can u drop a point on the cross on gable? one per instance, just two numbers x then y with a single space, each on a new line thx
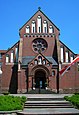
39 8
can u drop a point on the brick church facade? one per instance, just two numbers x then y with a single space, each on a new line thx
36 59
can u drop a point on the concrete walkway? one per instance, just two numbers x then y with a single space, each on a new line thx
50 111
43 95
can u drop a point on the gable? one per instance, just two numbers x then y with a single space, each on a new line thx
39 23
38 60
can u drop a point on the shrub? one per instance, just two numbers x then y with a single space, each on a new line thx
23 99
66 97
8 103
74 99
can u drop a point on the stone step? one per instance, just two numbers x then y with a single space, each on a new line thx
50 106
37 104
47 102
49 111
45 99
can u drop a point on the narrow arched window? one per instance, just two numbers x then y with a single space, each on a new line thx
33 27
39 60
53 73
0 56
67 56
51 29
27 29
19 66
60 65
36 62
71 58
12 57
45 26
39 24
62 53
44 62
16 53
0 68
7 58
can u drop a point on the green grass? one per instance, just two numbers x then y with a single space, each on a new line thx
74 99
10 103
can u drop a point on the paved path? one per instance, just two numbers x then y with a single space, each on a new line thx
50 111
42 95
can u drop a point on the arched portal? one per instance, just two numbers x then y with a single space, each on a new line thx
40 79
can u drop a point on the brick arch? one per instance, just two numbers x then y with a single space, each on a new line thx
40 68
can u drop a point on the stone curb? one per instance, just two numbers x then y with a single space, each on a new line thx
6 112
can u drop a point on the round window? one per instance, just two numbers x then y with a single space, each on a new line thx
39 45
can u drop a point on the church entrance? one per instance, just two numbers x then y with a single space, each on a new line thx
40 79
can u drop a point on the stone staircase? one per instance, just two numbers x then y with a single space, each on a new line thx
48 105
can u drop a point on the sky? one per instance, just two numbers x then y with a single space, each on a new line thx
63 13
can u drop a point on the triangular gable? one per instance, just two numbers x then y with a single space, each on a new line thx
30 59
48 59
35 15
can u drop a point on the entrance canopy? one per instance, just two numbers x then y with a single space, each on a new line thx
40 58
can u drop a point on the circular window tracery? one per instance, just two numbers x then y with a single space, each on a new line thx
39 44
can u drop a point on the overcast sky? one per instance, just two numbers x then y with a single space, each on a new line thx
63 13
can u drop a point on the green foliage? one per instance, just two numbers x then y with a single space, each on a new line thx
9 103
74 99
23 99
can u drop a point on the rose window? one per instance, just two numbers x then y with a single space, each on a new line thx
39 44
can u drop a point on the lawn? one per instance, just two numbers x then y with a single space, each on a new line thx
74 99
10 103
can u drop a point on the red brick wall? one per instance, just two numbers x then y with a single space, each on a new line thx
70 80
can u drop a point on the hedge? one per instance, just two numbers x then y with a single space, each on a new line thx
74 99
9 103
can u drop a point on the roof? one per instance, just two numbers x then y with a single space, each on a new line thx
66 47
27 59
51 59
3 51
34 15
12 46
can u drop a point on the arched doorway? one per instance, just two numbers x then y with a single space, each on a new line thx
40 79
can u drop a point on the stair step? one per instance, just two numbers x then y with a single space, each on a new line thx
25 113
49 111
47 102
45 99
48 107
37 104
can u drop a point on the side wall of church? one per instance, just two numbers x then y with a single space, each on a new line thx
9 79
